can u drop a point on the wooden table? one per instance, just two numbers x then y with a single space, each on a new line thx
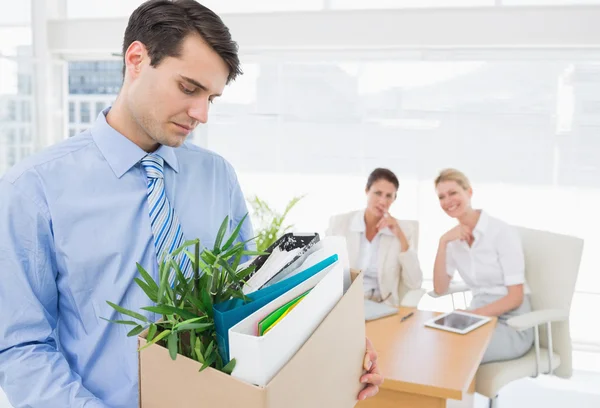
425 367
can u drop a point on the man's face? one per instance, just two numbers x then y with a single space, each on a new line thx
168 101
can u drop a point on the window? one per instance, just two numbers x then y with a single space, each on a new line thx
84 112
72 114
99 108
526 133
25 133
11 110
26 111
11 136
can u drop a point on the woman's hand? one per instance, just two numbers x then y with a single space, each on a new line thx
460 232
387 221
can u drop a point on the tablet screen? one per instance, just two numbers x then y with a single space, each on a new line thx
457 321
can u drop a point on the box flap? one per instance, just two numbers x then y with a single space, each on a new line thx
325 372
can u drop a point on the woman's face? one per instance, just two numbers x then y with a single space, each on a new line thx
454 199
380 197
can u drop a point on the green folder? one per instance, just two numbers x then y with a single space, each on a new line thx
271 318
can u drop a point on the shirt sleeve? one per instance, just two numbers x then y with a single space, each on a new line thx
33 373
330 227
450 263
238 211
511 257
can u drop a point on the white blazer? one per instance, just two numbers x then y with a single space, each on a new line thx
398 272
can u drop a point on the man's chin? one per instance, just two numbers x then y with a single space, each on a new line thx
174 141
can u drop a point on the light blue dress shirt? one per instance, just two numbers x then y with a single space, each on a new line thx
73 223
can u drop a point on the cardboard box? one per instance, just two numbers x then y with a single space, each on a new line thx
325 372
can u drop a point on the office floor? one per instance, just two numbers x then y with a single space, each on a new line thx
581 391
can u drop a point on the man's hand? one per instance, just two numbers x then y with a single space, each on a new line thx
373 377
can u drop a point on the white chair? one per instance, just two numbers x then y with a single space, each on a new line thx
411 297
551 268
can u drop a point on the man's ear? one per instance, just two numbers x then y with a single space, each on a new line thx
135 56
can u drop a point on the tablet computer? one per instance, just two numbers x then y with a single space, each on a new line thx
457 321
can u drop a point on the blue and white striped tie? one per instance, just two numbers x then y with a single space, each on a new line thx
168 235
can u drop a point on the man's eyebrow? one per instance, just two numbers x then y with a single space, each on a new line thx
196 83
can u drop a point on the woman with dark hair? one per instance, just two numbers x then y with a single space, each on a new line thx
380 245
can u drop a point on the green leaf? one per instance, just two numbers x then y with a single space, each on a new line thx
158 338
170 310
227 268
207 303
152 295
236 261
233 251
193 340
221 234
198 304
135 331
151 332
198 351
194 320
235 233
208 257
180 280
127 312
195 326
186 295
164 278
208 362
147 277
228 369
128 322
184 246
254 253
244 273
172 345
210 348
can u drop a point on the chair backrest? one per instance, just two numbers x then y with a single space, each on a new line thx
551 267
414 225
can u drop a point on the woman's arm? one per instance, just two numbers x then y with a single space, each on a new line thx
441 277
511 301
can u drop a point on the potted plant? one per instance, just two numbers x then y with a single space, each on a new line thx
269 222
187 325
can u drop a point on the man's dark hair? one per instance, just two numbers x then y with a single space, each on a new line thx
385 174
161 25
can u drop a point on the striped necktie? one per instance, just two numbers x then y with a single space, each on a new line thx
168 235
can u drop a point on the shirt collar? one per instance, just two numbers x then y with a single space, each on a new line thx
357 224
121 153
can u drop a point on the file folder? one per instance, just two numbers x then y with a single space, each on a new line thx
259 358
229 313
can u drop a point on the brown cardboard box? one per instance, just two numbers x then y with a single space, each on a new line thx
324 373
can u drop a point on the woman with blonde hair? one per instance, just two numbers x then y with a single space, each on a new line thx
488 255
383 247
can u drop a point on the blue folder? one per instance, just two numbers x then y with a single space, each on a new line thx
227 314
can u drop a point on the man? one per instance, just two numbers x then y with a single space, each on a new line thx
77 217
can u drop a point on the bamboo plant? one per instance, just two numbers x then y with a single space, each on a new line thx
187 325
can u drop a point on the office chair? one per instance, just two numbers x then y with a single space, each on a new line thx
551 267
